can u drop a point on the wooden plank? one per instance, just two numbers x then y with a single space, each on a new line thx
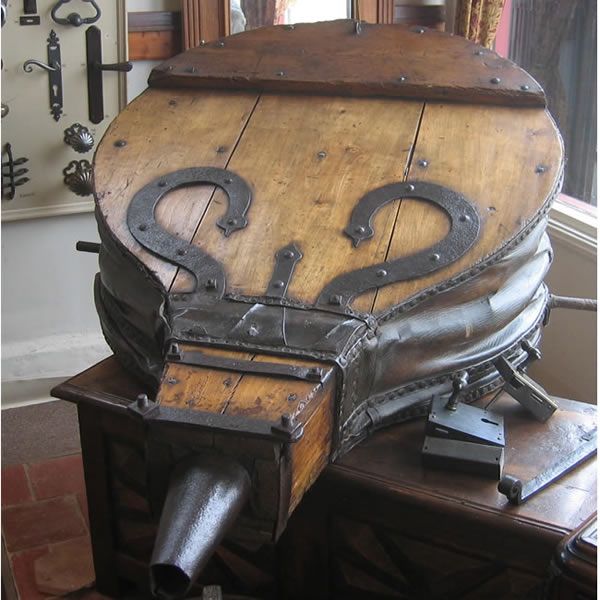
166 131
153 20
490 155
332 58
204 20
153 45
307 197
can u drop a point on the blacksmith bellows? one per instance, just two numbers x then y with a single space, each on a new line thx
306 234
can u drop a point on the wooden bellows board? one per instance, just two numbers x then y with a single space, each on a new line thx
308 230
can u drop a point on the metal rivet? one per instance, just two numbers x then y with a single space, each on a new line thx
478 52
292 397
142 401
322 154
540 169
162 183
495 80
228 180
418 29
170 68
286 420
410 187
231 221
172 380
464 218
357 27
220 44
221 149
289 27
190 70
181 252
359 229
402 78
335 300
253 330
524 87
278 284
381 273
203 42
280 73
289 254
434 257
172 102
211 284
120 143
143 227
423 163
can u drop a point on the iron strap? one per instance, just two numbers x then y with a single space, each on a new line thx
200 359
464 230
207 271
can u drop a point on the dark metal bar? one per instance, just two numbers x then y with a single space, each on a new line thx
92 247
518 491
590 304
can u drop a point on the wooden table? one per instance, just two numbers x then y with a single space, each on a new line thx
376 524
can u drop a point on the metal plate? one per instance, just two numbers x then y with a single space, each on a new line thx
285 261
464 230
55 77
143 226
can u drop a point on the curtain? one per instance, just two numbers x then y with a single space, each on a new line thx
477 20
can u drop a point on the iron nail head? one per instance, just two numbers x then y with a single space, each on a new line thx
120 143
495 80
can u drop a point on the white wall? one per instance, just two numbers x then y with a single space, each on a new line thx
50 329
569 348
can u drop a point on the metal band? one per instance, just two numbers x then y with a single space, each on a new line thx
285 261
464 230
144 228
199 359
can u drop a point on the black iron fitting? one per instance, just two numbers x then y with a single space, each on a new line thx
200 359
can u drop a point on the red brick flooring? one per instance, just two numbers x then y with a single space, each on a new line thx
46 531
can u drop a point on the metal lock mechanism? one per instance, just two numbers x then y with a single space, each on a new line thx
79 178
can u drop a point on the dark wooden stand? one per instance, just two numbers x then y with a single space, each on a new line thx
375 525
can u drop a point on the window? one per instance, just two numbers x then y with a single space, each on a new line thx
250 14
555 41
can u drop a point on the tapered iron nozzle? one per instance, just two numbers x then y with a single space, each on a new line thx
206 494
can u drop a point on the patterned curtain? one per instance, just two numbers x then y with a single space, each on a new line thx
477 20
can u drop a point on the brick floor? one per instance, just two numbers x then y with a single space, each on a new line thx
39 523
58 477
15 486
46 531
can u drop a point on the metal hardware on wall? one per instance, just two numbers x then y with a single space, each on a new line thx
3 10
75 19
95 67
30 7
78 177
11 177
54 70
79 138
46 195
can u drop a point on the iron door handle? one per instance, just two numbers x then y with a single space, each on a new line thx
74 18
123 67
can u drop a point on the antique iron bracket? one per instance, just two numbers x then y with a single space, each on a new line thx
464 230
93 44
79 178
200 359
285 261
79 138
144 228
54 70
518 491
526 391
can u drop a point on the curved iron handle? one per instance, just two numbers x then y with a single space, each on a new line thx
464 230
29 64
206 270
75 19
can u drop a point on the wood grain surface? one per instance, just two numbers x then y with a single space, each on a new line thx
309 160
332 58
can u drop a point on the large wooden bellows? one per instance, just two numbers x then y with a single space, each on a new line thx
308 231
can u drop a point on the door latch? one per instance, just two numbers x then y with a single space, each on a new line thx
54 70
95 67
